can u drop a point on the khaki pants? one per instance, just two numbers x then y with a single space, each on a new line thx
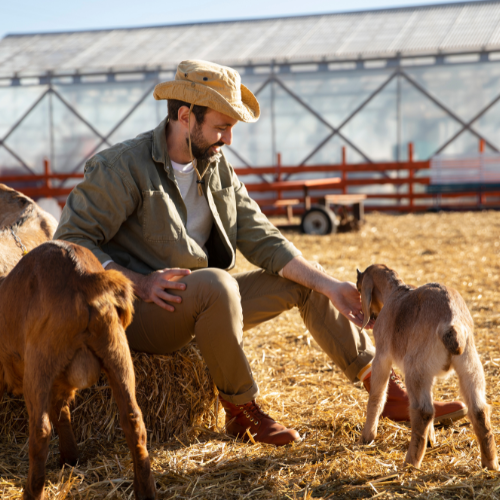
218 307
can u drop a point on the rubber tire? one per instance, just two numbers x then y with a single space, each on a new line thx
318 220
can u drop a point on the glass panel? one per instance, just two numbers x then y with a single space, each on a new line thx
489 124
464 88
105 104
253 141
14 102
31 140
336 94
298 131
423 123
10 165
374 128
465 144
232 157
253 82
73 140
145 117
331 152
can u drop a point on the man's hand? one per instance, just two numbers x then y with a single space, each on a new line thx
346 299
343 294
152 287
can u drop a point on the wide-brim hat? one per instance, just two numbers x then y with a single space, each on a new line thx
208 84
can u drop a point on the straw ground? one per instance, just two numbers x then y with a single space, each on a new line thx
301 387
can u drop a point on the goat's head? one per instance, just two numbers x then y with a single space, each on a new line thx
13 205
373 285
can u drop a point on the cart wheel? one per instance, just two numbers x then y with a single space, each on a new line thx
318 220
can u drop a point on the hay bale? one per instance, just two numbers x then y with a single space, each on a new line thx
175 393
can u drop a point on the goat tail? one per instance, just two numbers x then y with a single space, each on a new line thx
111 288
454 338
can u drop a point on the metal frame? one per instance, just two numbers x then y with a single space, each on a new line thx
272 80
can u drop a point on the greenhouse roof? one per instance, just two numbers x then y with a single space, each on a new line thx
401 32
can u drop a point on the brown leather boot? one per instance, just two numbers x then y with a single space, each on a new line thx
262 427
397 406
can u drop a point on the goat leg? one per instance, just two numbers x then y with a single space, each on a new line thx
432 436
421 422
60 417
473 387
37 387
482 428
117 364
381 371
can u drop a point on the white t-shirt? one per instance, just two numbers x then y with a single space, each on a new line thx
199 218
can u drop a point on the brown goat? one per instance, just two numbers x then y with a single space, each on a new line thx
426 331
62 319
22 223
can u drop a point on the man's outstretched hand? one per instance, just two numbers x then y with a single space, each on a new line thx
343 294
346 299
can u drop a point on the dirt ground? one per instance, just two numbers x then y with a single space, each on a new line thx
301 388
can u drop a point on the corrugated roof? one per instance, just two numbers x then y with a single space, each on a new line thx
424 30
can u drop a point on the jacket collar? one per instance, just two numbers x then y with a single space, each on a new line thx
160 153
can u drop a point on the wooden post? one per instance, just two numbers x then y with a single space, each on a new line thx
344 173
411 175
481 145
46 169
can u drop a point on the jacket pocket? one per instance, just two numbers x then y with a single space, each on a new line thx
225 201
160 219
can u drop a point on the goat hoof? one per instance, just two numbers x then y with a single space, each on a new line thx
71 461
28 496
413 462
145 490
490 464
367 438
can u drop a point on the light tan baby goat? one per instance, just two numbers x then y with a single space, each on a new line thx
426 331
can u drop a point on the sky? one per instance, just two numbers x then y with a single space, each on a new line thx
29 16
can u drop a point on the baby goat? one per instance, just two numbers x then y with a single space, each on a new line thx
62 319
426 331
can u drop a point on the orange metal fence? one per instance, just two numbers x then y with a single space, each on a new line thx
408 193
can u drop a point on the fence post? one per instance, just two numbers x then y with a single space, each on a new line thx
482 196
411 175
344 173
46 170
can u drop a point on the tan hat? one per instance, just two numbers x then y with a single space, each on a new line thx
208 84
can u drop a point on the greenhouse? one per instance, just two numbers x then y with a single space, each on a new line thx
371 81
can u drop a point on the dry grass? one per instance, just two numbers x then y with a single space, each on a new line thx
175 394
301 388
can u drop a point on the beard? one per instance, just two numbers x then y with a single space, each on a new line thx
200 147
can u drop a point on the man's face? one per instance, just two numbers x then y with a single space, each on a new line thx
207 138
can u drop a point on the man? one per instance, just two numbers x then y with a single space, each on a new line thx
167 209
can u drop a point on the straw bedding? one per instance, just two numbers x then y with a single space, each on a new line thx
301 388
175 393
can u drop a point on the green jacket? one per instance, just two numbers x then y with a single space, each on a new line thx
128 208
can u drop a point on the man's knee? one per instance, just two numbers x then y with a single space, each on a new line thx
217 283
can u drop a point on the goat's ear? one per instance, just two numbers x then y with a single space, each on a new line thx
366 298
